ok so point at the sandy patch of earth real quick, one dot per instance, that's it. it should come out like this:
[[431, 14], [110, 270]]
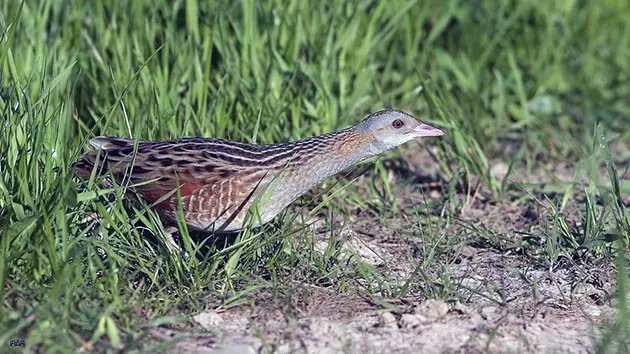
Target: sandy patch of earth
[[502, 304]]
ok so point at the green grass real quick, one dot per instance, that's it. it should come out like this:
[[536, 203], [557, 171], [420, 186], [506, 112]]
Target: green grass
[[551, 78]]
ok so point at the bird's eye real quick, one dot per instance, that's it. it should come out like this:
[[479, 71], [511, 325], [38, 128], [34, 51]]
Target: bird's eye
[[397, 123]]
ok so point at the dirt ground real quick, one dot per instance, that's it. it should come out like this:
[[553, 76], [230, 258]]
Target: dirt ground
[[505, 301], [560, 319]]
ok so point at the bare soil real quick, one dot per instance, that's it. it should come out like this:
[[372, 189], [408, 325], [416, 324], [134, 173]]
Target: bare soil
[[559, 318]]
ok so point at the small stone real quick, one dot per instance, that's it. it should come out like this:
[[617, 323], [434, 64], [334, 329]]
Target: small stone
[[433, 309], [209, 320], [477, 319], [388, 320], [236, 349], [593, 311], [467, 251], [409, 320]]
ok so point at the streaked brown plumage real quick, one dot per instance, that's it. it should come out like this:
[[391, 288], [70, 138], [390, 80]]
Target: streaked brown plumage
[[219, 180]]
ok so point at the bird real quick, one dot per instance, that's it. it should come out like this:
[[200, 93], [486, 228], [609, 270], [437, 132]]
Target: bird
[[222, 185]]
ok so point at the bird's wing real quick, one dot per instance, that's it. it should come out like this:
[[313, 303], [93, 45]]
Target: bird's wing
[[208, 183]]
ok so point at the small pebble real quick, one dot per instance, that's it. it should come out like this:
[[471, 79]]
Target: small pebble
[[409, 320], [388, 320], [209, 320], [433, 309], [235, 349]]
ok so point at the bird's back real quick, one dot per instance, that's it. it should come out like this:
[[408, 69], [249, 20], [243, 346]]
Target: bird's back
[[215, 179]]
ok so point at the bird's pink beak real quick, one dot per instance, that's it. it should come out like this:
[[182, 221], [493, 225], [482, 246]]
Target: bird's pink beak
[[425, 129]]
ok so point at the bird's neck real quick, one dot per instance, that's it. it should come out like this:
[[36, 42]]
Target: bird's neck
[[337, 151], [324, 156], [315, 160]]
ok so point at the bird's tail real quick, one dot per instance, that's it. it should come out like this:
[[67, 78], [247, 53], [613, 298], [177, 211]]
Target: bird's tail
[[84, 167]]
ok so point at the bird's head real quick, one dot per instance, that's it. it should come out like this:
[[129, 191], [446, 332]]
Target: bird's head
[[391, 128]]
